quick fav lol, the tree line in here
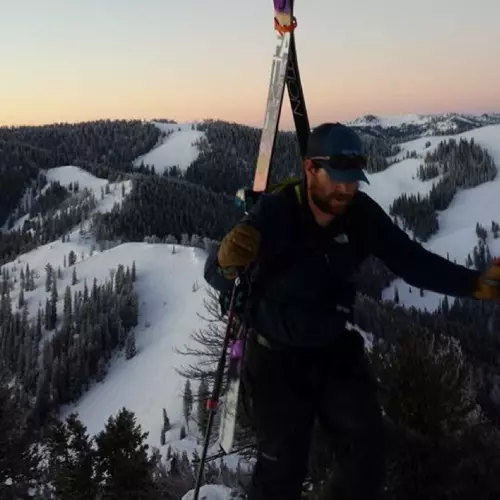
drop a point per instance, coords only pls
(56, 355)
(463, 164)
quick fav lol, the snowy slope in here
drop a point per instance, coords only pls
(457, 224)
(171, 291)
(70, 174)
(79, 241)
(177, 148)
(148, 382)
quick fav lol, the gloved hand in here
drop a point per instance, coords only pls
(488, 285)
(238, 250)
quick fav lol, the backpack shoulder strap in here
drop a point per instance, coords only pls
(277, 265)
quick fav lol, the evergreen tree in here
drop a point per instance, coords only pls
(22, 280)
(71, 258)
(166, 421)
(203, 395)
(67, 308)
(53, 306)
(71, 460)
(187, 401)
(130, 350)
(49, 277)
(17, 460)
(124, 469)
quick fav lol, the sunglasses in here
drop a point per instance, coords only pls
(340, 162)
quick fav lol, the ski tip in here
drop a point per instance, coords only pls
(283, 6)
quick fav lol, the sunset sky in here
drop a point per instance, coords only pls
(74, 60)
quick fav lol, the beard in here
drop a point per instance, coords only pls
(327, 203)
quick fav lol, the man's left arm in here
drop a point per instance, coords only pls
(422, 268)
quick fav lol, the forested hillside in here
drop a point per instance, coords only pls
(103, 147)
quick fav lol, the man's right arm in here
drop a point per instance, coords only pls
(241, 247)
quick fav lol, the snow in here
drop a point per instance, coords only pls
(70, 174)
(211, 492)
(457, 233)
(177, 148)
(435, 122)
(390, 120)
(171, 294)
(148, 382)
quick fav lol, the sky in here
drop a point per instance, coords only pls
(77, 60)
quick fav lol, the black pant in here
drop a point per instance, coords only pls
(287, 391)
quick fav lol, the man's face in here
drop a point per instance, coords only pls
(329, 196)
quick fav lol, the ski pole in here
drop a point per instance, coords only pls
(213, 401)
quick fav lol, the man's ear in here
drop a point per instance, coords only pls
(308, 165)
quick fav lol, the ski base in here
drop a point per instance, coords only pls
(230, 406)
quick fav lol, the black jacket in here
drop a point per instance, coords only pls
(308, 303)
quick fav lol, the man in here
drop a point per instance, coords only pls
(305, 243)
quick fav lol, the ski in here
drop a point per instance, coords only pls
(284, 73)
(229, 408)
(297, 100)
(247, 197)
(284, 23)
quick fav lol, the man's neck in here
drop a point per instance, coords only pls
(321, 218)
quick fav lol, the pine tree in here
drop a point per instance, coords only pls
(396, 295)
(183, 432)
(67, 310)
(130, 350)
(203, 395)
(71, 258)
(49, 277)
(187, 401)
(53, 306)
(74, 279)
(16, 459)
(22, 280)
(71, 460)
(166, 421)
(124, 469)
(30, 285)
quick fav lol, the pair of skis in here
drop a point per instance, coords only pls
(284, 73)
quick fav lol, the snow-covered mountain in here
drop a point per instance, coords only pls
(170, 281)
(425, 124)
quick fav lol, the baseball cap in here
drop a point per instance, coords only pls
(339, 150)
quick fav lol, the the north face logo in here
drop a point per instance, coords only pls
(341, 238)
